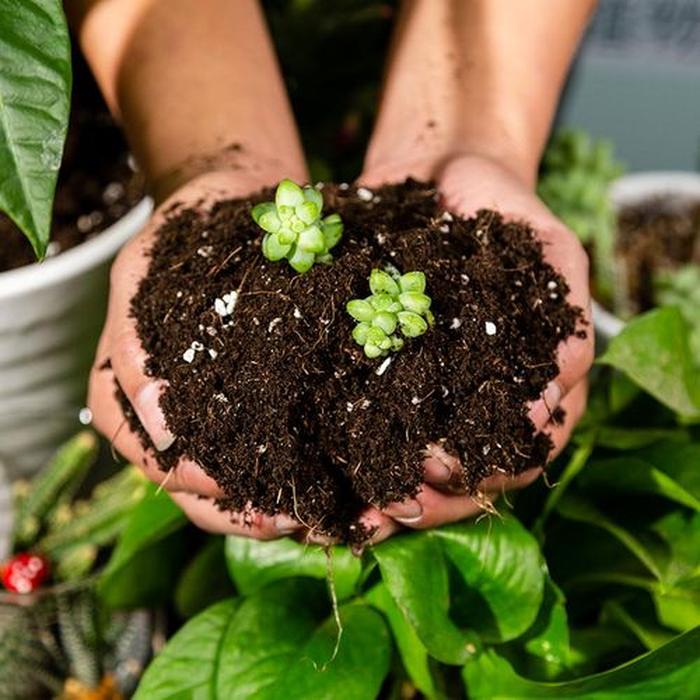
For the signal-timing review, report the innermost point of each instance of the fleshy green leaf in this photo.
(263, 208)
(412, 282)
(415, 301)
(653, 351)
(273, 249)
(381, 282)
(302, 260)
(253, 564)
(311, 194)
(269, 221)
(385, 321)
(35, 89)
(671, 671)
(360, 310)
(498, 563)
(332, 228)
(412, 325)
(288, 194)
(311, 239)
(359, 333)
(308, 212)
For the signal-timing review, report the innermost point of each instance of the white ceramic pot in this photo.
(51, 314)
(633, 189)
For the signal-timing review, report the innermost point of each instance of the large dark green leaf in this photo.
(680, 461)
(497, 561)
(413, 653)
(253, 564)
(144, 561)
(576, 507)
(653, 351)
(204, 581)
(275, 645)
(187, 666)
(630, 474)
(670, 672)
(35, 85)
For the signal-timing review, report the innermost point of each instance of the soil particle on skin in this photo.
(655, 235)
(288, 415)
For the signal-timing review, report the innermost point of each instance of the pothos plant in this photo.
(497, 608)
(35, 89)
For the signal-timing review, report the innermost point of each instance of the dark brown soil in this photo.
(290, 415)
(655, 235)
(95, 188)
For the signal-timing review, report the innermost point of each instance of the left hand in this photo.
(469, 183)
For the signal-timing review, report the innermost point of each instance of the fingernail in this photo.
(148, 410)
(285, 525)
(405, 512)
(552, 395)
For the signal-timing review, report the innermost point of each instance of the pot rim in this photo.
(75, 261)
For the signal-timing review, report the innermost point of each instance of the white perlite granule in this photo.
(383, 367)
(364, 194)
(490, 328)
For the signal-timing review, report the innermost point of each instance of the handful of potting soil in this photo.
(294, 405)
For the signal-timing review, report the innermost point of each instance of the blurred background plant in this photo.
(56, 637)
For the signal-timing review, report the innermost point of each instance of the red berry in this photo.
(25, 572)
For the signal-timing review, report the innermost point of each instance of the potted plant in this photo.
(51, 312)
(642, 230)
(56, 635)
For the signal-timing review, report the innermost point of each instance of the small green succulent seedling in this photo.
(294, 228)
(397, 307)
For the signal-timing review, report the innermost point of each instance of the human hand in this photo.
(187, 483)
(468, 183)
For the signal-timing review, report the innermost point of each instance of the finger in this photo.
(566, 254)
(126, 354)
(204, 513)
(380, 525)
(574, 405)
(431, 508)
(109, 420)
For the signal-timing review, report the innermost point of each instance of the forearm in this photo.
(196, 85)
(480, 77)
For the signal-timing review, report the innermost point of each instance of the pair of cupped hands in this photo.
(466, 183)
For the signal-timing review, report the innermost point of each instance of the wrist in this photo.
(251, 171)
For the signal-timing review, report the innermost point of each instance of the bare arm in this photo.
(196, 85)
(480, 77)
(469, 97)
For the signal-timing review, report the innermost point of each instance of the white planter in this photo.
(633, 189)
(51, 314)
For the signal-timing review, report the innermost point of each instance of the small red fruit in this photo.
(24, 572)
